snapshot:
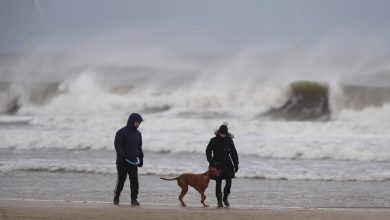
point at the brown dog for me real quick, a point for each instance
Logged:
(199, 181)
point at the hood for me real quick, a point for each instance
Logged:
(229, 135)
(132, 118)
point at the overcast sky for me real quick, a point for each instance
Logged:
(233, 22)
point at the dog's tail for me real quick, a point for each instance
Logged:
(169, 179)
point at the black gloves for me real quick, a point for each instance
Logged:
(235, 168)
(141, 162)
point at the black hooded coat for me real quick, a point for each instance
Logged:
(222, 154)
(128, 142)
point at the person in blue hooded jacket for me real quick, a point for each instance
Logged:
(129, 156)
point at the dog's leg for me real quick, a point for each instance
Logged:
(202, 201)
(203, 197)
(184, 189)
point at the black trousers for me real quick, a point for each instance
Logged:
(226, 189)
(123, 171)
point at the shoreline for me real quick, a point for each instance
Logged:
(192, 206)
(61, 209)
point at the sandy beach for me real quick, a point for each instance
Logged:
(19, 209)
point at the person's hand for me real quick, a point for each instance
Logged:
(141, 163)
(236, 168)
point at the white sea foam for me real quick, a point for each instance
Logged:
(339, 139)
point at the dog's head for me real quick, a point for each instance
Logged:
(214, 171)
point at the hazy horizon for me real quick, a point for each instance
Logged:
(39, 24)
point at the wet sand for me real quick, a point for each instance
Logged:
(24, 209)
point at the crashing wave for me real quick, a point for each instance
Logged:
(306, 101)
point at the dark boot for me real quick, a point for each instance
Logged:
(116, 200)
(134, 202)
(225, 200)
(219, 199)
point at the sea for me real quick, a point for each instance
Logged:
(59, 117)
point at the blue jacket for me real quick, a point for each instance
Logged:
(128, 141)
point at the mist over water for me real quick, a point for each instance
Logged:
(209, 77)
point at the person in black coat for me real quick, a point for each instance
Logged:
(222, 154)
(129, 156)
